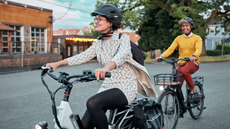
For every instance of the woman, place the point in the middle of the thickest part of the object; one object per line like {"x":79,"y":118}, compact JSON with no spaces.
{"x":127,"y":76}
{"x":189,"y":45}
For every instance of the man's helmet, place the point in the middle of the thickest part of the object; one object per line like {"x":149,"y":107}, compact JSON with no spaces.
{"x":186,"y":20}
{"x":109,"y":11}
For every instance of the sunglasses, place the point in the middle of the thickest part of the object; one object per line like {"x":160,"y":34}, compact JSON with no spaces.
{"x":98,"y":19}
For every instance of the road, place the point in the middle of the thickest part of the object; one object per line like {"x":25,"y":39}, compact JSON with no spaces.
{"x":24,"y":101}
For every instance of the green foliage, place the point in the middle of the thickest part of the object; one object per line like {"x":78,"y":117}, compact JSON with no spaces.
{"x":213,"y":52}
{"x":137,"y":15}
{"x":155,"y":30}
{"x":216,"y":52}
{"x":226,"y":48}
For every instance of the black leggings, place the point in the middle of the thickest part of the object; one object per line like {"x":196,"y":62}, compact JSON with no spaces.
{"x":98,"y":104}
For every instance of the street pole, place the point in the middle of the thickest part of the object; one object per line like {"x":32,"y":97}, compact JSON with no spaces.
{"x":59,"y":42}
{"x":22,"y":40}
{"x":222,"y":52}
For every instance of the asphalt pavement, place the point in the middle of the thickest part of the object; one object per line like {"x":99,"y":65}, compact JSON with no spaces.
{"x":24,"y":101}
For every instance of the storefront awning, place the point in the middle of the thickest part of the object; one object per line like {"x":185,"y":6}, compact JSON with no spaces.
{"x":6,"y":28}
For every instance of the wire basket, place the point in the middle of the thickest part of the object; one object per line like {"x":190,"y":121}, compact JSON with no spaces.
{"x":167,"y":79}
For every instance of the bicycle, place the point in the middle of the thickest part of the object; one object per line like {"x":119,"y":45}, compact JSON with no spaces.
{"x":64,"y":118}
{"x":172,"y":98}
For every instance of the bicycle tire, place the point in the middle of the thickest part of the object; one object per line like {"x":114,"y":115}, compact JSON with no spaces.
{"x":196,"y":111}
{"x":170,"y":108}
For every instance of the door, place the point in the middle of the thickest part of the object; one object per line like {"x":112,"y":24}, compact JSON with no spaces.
{"x":69,"y":51}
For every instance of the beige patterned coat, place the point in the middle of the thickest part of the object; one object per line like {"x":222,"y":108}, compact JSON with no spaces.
{"x":129,"y":76}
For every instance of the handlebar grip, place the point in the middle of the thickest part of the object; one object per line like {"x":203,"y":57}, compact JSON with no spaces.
{"x":108,"y":74}
{"x":187,"y":59}
{"x":160,"y":59}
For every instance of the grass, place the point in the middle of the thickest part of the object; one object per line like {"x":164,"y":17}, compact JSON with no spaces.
{"x":214,"y":59}
{"x":204,"y":59}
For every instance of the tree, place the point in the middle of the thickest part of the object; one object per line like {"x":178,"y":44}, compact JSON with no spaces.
{"x":134,"y":10}
{"x":155,"y":31}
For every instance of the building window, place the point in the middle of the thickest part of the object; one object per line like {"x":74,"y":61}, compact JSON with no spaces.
{"x":16,"y":39}
{"x":5,"y":40}
{"x":37,"y":40}
{"x":217,"y":42}
{"x":212,"y":29}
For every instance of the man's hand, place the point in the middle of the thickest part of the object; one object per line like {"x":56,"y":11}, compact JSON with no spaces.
{"x":100,"y":73}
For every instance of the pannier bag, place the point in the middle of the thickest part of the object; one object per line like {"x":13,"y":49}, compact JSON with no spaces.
{"x":148,"y":116}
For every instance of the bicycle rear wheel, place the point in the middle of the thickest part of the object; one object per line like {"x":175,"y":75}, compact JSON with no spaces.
{"x":196,"y":107}
{"x":170,"y":106}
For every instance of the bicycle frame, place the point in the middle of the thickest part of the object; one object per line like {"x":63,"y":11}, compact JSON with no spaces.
{"x":176,"y":88}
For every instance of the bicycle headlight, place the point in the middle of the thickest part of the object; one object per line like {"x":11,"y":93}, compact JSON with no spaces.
{"x":41,"y":125}
{"x":161,"y":88}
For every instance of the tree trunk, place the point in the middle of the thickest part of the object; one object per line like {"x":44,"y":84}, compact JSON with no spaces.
{"x":204,"y":52}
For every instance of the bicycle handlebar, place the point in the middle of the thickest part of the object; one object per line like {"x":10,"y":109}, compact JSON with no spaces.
{"x":87,"y":75}
{"x":172,"y":61}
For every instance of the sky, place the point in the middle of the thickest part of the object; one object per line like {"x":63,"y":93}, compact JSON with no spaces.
{"x":66,"y":13}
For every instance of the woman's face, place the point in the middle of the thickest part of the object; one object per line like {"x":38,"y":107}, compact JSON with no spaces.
{"x":102,"y":24}
{"x":186,"y":28}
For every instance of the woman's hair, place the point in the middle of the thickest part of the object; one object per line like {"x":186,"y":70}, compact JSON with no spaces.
{"x":115,"y":23}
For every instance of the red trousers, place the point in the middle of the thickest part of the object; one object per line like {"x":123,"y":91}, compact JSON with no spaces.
{"x":187,"y":69}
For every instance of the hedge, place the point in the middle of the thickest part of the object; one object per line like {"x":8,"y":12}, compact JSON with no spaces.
{"x":218,"y":50}
{"x":226,"y":48}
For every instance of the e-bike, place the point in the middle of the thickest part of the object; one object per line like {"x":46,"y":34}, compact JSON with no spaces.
{"x":64,"y":118}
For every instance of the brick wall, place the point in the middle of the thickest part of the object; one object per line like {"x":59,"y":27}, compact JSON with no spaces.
{"x":38,"y":59}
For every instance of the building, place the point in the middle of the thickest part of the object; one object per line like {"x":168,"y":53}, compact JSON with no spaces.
{"x":25,"y":35}
{"x":70,"y":45}
{"x":213,"y":39}
{"x":71,"y":41}
{"x":72,"y":31}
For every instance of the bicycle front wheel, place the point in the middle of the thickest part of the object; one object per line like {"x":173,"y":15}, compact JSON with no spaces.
{"x":170,"y":106}
{"x":196,"y":107}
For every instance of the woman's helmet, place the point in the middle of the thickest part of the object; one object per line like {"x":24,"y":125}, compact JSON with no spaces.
{"x":186,"y":20}
{"x":109,"y":11}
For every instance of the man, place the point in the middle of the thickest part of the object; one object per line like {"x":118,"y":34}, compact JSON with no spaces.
{"x":189,"y":45}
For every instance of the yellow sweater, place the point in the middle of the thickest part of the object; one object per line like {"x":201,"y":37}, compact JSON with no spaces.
{"x":187,"y":47}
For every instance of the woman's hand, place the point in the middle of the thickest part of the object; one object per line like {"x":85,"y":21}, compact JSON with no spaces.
{"x":157,"y":59}
{"x":52,"y":65}
{"x":56,"y":64}
{"x":100,"y":73}
{"x":192,"y":58}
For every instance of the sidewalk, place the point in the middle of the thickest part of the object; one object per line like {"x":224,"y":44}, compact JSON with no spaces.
{"x":23,"y":69}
